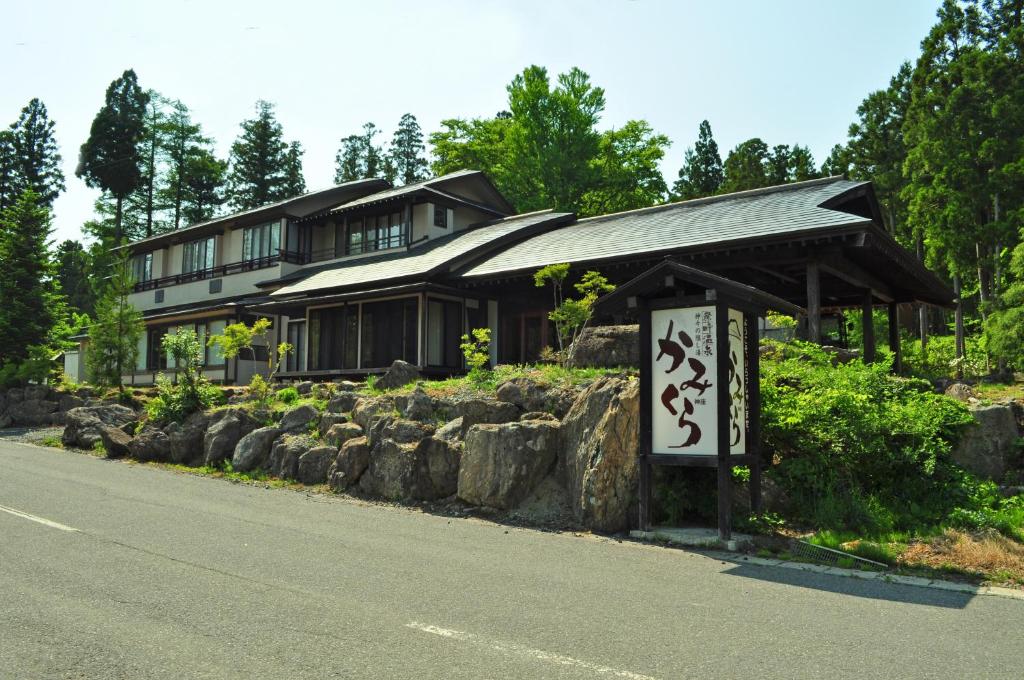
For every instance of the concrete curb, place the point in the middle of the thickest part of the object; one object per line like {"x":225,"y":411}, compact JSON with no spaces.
{"x":917,"y":581}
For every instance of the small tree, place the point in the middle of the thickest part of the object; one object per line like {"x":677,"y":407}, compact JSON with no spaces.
{"x":477,"y":351}
{"x":571,"y":315}
{"x":237,"y":337}
{"x":114,"y":338}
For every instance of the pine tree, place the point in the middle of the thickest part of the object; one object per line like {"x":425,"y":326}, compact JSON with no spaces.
{"x":114,"y":336}
{"x":778,"y":164}
{"x":361,"y":158}
{"x":37,"y":154}
{"x":746,"y":166}
{"x":263,"y":167}
{"x":204,"y":186}
{"x":348,"y":161}
{"x":837,"y":163}
{"x":701,"y":174}
{"x":182,"y":139}
{"x":801,"y":164}
{"x":293,"y":183}
{"x":151,"y":148}
{"x":71,"y":262}
{"x":407,"y":151}
{"x":110,"y":158}
{"x":26,"y":285}
{"x":8,"y":170}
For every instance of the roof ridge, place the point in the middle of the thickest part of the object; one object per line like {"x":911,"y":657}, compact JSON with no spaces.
{"x":760,"y":191}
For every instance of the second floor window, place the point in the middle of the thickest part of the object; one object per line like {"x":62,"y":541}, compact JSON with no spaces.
{"x":261,"y":241}
{"x":142,"y":267}
{"x":199,"y":255}
{"x":377,"y":232}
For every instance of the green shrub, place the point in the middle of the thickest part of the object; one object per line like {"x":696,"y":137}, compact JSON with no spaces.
{"x":176,"y":401}
{"x":288,"y":395}
{"x":854,"y":447}
{"x":938,"y":360}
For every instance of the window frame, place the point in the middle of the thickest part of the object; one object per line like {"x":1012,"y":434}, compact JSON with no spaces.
{"x":265,"y":236}
{"x":190,"y":255}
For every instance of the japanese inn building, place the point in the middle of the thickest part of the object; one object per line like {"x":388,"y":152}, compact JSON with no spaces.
{"x":361,"y":274}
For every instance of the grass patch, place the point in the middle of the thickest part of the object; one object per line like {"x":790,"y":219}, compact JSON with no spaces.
{"x":988,"y":555}
{"x":226,"y":471}
{"x":53,"y":441}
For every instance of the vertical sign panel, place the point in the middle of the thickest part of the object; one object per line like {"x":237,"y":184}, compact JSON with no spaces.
{"x":737,"y":383}
{"x":684,"y":398}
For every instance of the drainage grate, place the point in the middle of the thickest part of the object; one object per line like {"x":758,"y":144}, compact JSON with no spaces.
{"x":829,"y":556}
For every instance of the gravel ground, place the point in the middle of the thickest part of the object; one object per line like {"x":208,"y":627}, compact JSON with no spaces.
{"x":31,"y":435}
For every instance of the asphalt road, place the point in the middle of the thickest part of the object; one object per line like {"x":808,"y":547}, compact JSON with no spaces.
{"x":111,"y":570}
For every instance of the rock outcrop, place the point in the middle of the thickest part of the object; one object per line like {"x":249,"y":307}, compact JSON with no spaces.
{"x":224,"y":432}
{"x":501,"y":464}
{"x":400,"y":374}
{"x":253,"y":449}
{"x":283,"y":460}
{"x":349,"y":465}
{"x":600,"y":449}
{"x":989,"y":447}
{"x":298,"y":419}
{"x":607,"y":347}
{"x":82,"y":425}
{"x":313,"y":464}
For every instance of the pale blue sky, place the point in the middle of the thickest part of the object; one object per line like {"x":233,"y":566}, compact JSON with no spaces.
{"x":787,"y":71}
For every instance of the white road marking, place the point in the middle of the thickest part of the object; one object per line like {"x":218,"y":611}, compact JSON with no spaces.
{"x":40,"y":520}
{"x":514,"y":648}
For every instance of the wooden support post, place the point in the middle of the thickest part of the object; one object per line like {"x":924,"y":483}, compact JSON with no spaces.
{"x":724,"y":453}
{"x":894,"y":338}
{"x":959,"y":333}
{"x":867,"y":322}
{"x":753,"y":378}
{"x":813,"y":302}
{"x":646,"y":435}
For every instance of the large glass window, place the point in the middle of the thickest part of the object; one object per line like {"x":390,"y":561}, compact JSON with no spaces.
{"x":389,"y":332}
{"x":333,"y":338}
{"x":261,"y":241}
{"x":444,"y":332}
{"x":142,"y":267}
{"x":199,"y":255}
{"x":297,"y":339}
{"x":377,"y":232}
{"x":156,"y":357}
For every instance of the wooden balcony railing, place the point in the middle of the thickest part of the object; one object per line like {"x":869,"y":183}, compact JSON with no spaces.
{"x":211,"y":273}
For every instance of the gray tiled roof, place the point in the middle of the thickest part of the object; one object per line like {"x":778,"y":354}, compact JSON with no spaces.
{"x":433,"y":256}
{"x":789,"y":209}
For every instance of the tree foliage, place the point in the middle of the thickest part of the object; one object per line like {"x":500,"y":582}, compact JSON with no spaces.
{"x":72,"y":265}
{"x":263,"y":167}
{"x":31,"y":304}
{"x":407,"y":151}
{"x":114,"y":336}
{"x":110,"y":158}
{"x":546,"y":150}
{"x":36,"y":156}
{"x":702,"y":173}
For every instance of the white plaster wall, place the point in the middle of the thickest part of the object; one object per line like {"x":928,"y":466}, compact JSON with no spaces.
{"x":198,"y":292}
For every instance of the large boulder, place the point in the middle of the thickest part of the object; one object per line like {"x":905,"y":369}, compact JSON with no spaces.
{"x":396,"y":472}
{"x":185,"y":439}
{"x":342,"y":402}
{"x":607,"y":347}
{"x":116,"y":441}
{"x":33,"y":412}
{"x":502,"y":464}
{"x":600,"y":449}
{"x":252,"y":450}
{"x":960,"y":391}
{"x":400,"y":374}
{"x":284,"y":457}
{"x":69,"y":401}
{"x":304,"y":387}
{"x":441,"y":459}
{"x":328,"y":420}
{"x":339,"y":433}
{"x":450,"y":431}
{"x":223,"y":434}
{"x":531,"y":396}
{"x":399,"y":430}
{"x":313,"y":464}
{"x":39,"y":393}
{"x":82,"y":425}
{"x":485,"y":411}
{"x":349,"y":465}
{"x":367,"y":410}
{"x":298,"y":419}
{"x":989,"y":447}
{"x":151,"y":443}
{"x":419,"y":406}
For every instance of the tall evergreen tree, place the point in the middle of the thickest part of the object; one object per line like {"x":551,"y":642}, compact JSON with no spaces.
{"x":746,"y":166}
{"x":778,"y":164}
{"x":360,"y":157}
{"x":9,"y":184}
{"x":151,"y":149}
{"x":27,"y":314}
{"x":37,"y":154}
{"x":407,"y":151}
{"x":701,"y":174}
{"x":801,"y":164}
{"x":114,"y":336}
{"x":182,"y":140}
{"x":263,"y":166}
{"x":293,"y":183}
{"x":837,"y":162}
{"x":71,"y":262}
{"x":204,"y":186}
{"x":110,"y":158}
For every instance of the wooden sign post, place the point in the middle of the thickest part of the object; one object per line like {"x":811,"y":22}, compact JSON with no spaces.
{"x":699,"y":376}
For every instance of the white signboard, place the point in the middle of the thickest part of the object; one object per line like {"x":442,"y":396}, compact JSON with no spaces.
{"x":684,"y":403}
{"x":737,"y":383}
